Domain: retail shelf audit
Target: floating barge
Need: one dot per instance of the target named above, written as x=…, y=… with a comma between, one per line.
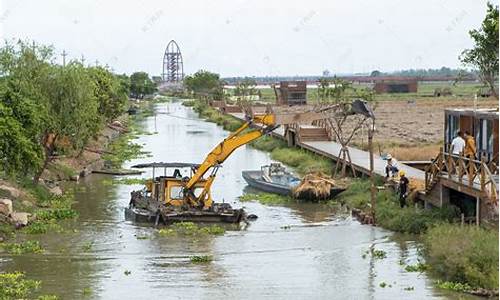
x=160, y=201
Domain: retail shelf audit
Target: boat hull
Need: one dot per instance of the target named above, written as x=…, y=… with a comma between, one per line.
x=253, y=178
x=169, y=216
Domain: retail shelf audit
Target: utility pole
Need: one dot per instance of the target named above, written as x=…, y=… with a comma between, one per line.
x=83, y=60
x=64, y=54
x=372, y=177
x=96, y=63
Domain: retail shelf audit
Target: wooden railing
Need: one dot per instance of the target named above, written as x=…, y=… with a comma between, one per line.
x=477, y=174
x=325, y=123
x=296, y=128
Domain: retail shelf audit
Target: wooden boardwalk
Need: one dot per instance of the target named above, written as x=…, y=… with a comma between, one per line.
x=360, y=159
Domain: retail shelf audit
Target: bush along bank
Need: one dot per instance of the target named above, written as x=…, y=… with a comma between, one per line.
x=44, y=204
x=465, y=256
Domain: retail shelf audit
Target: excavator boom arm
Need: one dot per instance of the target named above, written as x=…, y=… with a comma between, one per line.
x=225, y=148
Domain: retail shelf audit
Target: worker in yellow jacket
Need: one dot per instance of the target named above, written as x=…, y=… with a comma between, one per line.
x=470, y=146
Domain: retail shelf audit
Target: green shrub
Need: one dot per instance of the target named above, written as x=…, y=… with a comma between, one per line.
x=409, y=219
x=48, y=297
x=379, y=254
x=15, y=286
x=122, y=149
x=56, y=214
x=389, y=214
x=191, y=229
x=203, y=259
x=213, y=230
x=64, y=170
x=419, y=267
x=357, y=194
x=39, y=191
x=304, y=161
x=463, y=254
x=130, y=181
x=188, y=103
x=268, y=143
x=266, y=198
x=39, y=227
x=454, y=286
x=22, y=248
x=289, y=156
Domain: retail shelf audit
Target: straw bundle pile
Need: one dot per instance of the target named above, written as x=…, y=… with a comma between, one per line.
x=314, y=186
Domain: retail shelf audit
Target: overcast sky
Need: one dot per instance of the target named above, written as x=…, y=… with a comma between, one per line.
x=251, y=37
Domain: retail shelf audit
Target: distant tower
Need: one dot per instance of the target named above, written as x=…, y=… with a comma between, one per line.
x=173, y=67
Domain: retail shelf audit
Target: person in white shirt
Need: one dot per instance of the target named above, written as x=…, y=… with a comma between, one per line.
x=391, y=167
x=458, y=144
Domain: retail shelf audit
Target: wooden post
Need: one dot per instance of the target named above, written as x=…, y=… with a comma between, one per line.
x=478, y=211
x=344, y=161
x=450, y=163
x=482, y=173
x=372, y=178
x=427, y=179
x=471, y=172
x=460, y=168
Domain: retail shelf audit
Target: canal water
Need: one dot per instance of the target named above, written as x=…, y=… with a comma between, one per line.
x=319, y=254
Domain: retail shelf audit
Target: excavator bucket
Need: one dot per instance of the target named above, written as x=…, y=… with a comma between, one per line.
x=361, y=107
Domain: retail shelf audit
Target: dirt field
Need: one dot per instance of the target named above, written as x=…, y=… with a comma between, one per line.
x=413, y=130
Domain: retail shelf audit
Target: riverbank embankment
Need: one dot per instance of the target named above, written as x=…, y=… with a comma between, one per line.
x=464, y=258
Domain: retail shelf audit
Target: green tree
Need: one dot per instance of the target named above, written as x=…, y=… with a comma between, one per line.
x=323, y=89
x=484, y=55
x=73, y=110
x=246, y=87
x=110, y=92
x=18, y=152
x=204, y=83
x=24, y=72
x=141, y=85
x=46, y=107
x=124, y=83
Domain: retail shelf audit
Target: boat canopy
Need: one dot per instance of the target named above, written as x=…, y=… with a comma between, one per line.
x=166, y=165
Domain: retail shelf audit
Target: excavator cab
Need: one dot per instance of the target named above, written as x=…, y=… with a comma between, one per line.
x=167, y=186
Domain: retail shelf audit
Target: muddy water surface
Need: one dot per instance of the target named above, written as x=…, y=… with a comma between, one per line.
x=318, y=256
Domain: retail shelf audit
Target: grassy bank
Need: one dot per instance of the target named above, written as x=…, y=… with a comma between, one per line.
x=467, y=255
x=303, y=161
x=388, y=213
x=464, y=257
x=212, y=115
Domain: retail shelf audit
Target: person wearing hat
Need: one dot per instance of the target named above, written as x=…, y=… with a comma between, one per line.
x=403, y=188
x=391, y=167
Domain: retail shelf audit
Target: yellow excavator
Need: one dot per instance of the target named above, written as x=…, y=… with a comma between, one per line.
x=170, y=198
x=177, y=198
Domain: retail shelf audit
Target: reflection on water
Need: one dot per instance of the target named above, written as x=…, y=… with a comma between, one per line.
x=319, y=256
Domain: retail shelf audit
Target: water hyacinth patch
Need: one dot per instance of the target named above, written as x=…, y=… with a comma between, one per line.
x=203, y=259
x=22, y=248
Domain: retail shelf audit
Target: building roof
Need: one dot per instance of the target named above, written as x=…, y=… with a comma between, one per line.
x=492, y=112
